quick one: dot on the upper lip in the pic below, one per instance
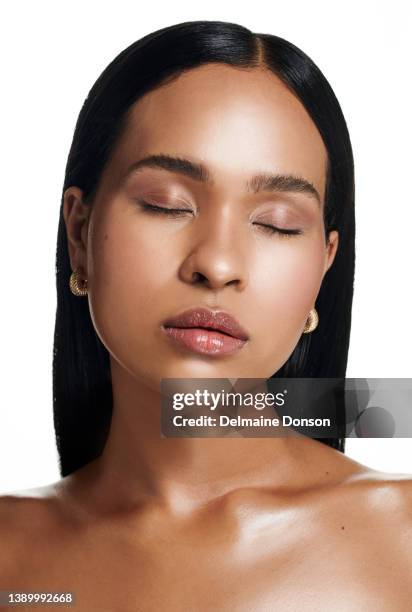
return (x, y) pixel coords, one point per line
(212, 319)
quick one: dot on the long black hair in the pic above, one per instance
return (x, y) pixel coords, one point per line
(82, 391)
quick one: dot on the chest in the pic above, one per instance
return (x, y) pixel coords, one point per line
(251, 573)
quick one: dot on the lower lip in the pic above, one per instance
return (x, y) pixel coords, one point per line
(204, 341)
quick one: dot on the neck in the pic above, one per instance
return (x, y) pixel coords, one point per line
(181, 473)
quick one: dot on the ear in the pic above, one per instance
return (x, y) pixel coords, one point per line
(76, 216)
(331, 249)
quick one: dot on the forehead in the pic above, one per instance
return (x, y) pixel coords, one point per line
(236, 121)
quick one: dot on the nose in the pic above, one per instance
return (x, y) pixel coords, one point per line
(215, 258)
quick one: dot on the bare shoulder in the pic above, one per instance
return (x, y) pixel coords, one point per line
(360, 503)
(387, 494)
(43, 502)
(32, 525)
(28, 511)
(375, 508)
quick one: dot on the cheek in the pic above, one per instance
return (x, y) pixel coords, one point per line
(287, 284)
(298, 278)
(128, 268)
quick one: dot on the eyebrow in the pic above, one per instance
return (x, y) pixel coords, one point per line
(199, 172)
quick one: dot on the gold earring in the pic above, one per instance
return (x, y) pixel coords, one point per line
(312, 322)
(75, 288)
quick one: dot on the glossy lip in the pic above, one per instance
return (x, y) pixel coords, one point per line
(206, 332)
(208, 319)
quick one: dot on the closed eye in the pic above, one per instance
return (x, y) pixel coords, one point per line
(176, 212)
(163, 210)
(272, 229)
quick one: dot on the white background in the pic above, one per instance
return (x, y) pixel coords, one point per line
(52, 53)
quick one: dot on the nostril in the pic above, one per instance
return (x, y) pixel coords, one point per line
(198, 276)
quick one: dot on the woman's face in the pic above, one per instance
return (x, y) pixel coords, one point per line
(145, 266)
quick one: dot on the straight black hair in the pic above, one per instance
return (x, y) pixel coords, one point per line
(82, 391)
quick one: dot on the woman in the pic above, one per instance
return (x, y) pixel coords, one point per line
(211, 178)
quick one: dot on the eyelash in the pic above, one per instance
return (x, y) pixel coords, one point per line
(177, 212)
(162, 210)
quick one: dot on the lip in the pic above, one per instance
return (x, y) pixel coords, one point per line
(205, 331)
